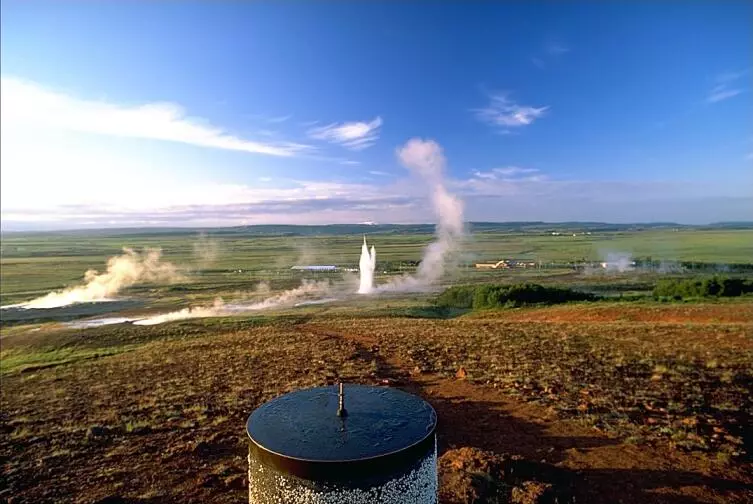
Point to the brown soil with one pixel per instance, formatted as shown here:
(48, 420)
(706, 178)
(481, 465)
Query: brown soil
(671, 313)
(165, 422)
(581, 463)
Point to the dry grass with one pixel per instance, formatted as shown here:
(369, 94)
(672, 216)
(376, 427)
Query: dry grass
(165, 420)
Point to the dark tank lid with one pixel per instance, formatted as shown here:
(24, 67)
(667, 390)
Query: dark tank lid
(303, 428)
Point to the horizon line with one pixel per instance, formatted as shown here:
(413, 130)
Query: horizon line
(374, 225)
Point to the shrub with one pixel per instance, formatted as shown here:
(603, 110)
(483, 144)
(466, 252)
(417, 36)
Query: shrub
(495, 296)
(708, 287)
(459, 296)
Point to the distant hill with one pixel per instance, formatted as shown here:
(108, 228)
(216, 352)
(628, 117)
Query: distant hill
(350, 229)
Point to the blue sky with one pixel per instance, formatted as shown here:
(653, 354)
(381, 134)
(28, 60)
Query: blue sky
(209, 113)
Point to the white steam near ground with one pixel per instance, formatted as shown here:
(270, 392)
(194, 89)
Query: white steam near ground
(620, 262)
(125, 270)
(423, 158)
(206, 251)
(221, 309)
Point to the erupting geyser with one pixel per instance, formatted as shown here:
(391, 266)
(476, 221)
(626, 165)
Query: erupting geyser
(366, 266)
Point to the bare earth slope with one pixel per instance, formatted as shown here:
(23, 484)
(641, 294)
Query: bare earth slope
(584, 405)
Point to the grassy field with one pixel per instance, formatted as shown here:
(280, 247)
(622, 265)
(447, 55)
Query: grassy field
(603, 401)
(31, 265)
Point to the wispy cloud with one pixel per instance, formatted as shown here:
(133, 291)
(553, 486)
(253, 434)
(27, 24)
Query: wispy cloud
(556, 48)
(550, 51)
(504, 112)
(312, 202)
(279, 119)
(351, 135)
(725, 87)
(510, 173)
(26, 103)
(379, 173)
(721, 92)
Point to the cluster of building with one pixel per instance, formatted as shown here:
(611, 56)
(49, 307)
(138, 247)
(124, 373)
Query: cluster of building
(322, 268)
(507, 264)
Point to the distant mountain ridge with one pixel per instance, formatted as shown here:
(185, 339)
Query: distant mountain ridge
(348, 229)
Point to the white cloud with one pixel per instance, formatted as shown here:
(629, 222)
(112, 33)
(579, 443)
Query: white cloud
(279, 119)
(556, 49)
(724, 88)
(379, 173)
(503, 112)
(721, 92)
(484, 175)
(351, 135)
(729, 77)
(508, 172)
(349, 162)
(27, 104)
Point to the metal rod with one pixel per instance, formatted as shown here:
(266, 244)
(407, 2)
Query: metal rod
(341, 411)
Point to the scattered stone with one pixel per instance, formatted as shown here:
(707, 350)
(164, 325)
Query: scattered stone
(97, 432)
(532, 492)
(202, 448)
(461, 374)
(112, 499)
(141, 430)
(235, 482)
(473, 475)
(210, 480)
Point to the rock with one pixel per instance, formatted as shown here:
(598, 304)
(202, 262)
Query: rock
(235, 482)
(479, 476)
(532, 492)
(461, 374)
(207, 481)
(97, 432)
(471, 475)
(111, 499)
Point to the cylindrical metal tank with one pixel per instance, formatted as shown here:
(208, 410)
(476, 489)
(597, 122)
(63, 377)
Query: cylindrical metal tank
(348, 445)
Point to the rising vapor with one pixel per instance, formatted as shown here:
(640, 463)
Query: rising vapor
(123, 271)
(220, 309)
(425, 158)
(206, 250)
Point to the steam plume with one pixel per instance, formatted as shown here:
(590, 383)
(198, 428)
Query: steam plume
(123, 271)
(425, 158)
(206, 251)
(619, 262)
(221, 309)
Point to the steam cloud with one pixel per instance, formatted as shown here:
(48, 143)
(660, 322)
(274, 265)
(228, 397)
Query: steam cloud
(425, 158)
(221, 309)
(123, 271)
(619, 262)
(206, 251)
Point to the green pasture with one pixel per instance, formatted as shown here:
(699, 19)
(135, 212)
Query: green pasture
(32, 264)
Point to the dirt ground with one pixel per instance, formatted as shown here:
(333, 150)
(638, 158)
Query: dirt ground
(165, 422)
